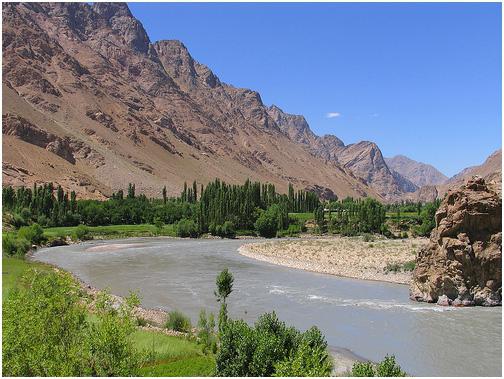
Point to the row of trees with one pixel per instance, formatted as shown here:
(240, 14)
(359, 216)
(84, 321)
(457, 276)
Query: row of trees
(351, 217)
(218, 208)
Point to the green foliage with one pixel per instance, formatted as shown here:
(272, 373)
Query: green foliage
(194, 366)
(292, 231)
(178, 321)
(206, 332)
(44, 328)
(109, 340)
(33, 234)
(351, 217)
(268, 347)
(45, 332)
(270, 221)
(310, 359)
(386, 368)
(392, 267)
(367, 237)
(81, 232)
(226, 230)
(187, 228)
(13, 245)
(409, 266)
(224, 283)
(363, 369)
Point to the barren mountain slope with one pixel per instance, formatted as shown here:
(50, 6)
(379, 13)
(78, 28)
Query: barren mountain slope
(490, 171)
(90, 103)
(419, 173)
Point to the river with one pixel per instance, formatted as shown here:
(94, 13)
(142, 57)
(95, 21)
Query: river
(370, 318)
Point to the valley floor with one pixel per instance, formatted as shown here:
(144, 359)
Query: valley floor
(381, 259)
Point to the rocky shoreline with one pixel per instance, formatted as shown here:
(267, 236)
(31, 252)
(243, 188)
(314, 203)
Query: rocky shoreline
(341, 256)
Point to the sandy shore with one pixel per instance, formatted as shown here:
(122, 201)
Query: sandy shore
(343, 256)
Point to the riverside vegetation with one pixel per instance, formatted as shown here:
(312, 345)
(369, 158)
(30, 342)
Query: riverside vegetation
(49, 214)
(51, 327)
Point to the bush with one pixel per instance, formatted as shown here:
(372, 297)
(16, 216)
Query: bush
(226, 230)
(292, 231)
(271, 348)
(34, 234)
(363, 369)
(270, 221)
(81, 232)
(187, 228)
(206, 332)
(409, 266)
(45, 332)
(13, 245)
(386, 368)
(392, 267)
(178, 321)
(366, 237)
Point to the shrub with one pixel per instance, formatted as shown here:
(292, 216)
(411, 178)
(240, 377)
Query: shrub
(366, 237)
(409, 266)
(178, 321)
(33, 234)
(141, 321)
(363, 369)
(292, 231)
(45, 332)
(18, 220)
(81, 232)
(13, 245)
(206, 332)
(228, 230)
(392, 267)
(187, 228)
(271, 348)
(386, 368)
(270, 221)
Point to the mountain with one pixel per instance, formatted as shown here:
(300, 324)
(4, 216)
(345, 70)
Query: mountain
(364, 159)
(91, 104)
(420, 174)
(490, 171)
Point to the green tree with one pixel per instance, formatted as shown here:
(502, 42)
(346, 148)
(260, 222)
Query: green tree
(224, 283)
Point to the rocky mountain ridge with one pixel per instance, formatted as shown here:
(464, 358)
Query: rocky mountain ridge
(91, 103)
(88, 76)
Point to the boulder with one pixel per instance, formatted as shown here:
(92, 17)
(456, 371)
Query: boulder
(461, 265)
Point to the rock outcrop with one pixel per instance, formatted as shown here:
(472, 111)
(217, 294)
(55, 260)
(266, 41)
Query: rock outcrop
(461, 265)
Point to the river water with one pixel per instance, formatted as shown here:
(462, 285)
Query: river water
(370, 318)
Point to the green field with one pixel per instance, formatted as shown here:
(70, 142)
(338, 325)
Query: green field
(303, 217)
(114, 231)
(172, 356)
(167, 355)
(402, 215)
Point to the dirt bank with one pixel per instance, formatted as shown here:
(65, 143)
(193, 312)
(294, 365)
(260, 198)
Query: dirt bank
(342, 256)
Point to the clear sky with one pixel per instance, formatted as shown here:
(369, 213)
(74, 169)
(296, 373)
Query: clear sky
(422, 80)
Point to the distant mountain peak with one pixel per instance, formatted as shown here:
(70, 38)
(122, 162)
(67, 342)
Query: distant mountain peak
(421, 174)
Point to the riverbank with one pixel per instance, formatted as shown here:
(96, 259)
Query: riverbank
(381, 259)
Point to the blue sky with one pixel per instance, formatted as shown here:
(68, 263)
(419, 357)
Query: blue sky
(423, 80)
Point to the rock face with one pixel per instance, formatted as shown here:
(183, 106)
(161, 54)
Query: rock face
(363, 159)
(420, 174)
(91, 103)
(462, 263)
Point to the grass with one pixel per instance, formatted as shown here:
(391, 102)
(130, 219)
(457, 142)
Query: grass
(402, 215)
(12, 271)
(194, 366)
(114, 231)
(167, 355)
(172, 356)
(302, 216)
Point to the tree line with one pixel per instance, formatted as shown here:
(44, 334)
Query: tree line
(219, 208)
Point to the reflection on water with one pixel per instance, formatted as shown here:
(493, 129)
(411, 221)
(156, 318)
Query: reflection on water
(370, 318)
